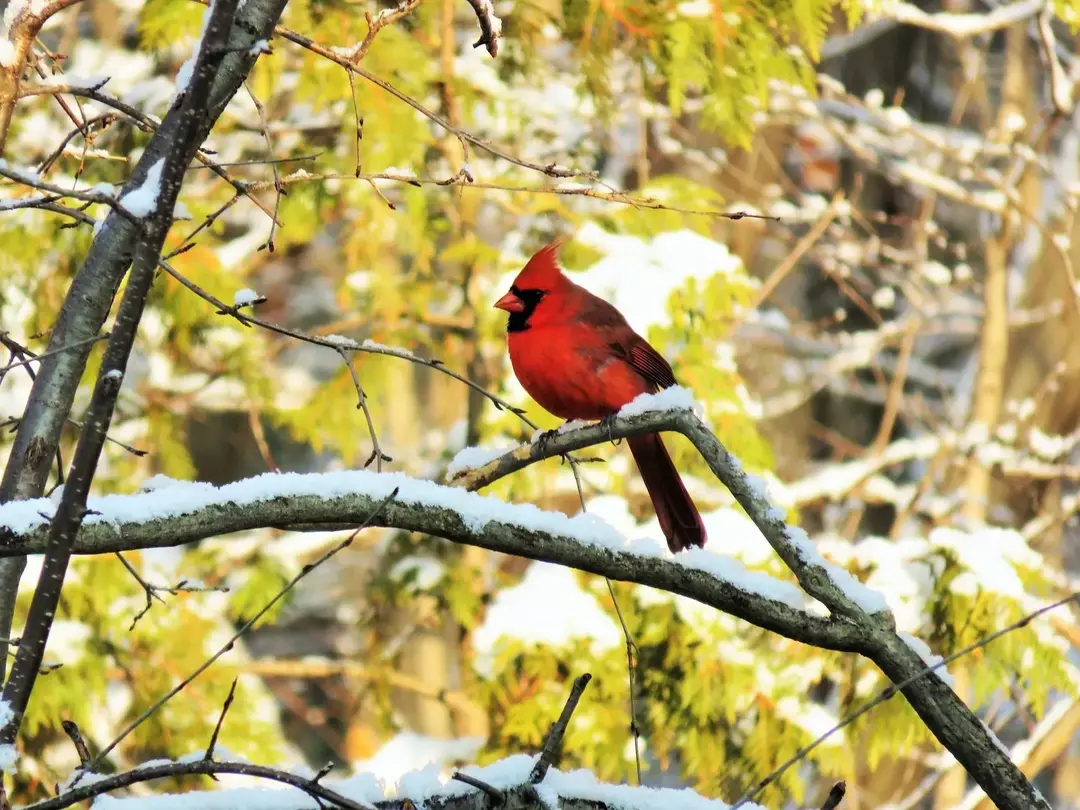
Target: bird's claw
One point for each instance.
(544, 439)
(608, 424)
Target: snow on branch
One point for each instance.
(520, 782)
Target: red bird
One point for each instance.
(578, 357)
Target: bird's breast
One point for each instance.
(570, 375)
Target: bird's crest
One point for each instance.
(542, 270)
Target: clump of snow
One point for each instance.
(7, 49)
(928, 657)
(342, 341)
(6, 713)
(382, 348)
(142, 201)
(672, 398)
(114, 374)
(245, 297)
(471, 458)
(259, 47)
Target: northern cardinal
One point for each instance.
(578, 357)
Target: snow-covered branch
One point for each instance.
(178, 513)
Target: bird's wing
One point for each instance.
(624, 342)
(651, 364)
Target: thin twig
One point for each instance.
(836, 795)
(553, 743)
(209, 755)
(76, 737)
(490, 790)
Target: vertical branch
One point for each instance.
(994, 336)
(72, 509)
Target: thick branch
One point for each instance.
(350, 497)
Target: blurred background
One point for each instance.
(892, 349)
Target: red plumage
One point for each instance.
(578, 357)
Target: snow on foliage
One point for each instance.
(546, 607)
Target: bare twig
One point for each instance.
(77, 740)
(836, 795)
(479, 784)
(490, 26)
(209, 755)
(553, 742)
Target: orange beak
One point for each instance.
(511, 303)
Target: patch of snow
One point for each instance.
(245, 297)
(928, 657)
(8, 757)
(471, 458)
(142, 201)
(675, 397)
(408, 751)
(546, 607)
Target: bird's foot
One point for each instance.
(544, 439)
(608, 423)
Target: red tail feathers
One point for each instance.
(678, 516)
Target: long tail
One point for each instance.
(678, 516)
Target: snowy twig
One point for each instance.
(963, 25)
(22, 22)
(460, 181)
(553, 742)
(490, 26)
(340, 346)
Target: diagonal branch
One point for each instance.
(157, 199)
(91, 294)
